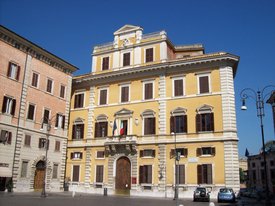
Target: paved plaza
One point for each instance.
(66, 198)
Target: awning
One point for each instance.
(5, 172)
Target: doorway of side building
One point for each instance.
(39, 175)
(123, 176)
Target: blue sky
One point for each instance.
(70, 29)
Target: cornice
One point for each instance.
(34, 50)
(189, 63)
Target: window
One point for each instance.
(99, 173)
(178, 87)
(204, 173)
(57, 146)
(147, 153)
(62, 91)
(149, 55)
(43, 143)
(180, 174)
(76, 172)
(103, 96)
(206, 151)
(76, 155)
(145, 174)
(101, 129)
(79, 100)
(205, 119)
(178, 124)
(126, 59)
(124, 91)
(183, 152)
(148, 90)
(13, 71)
(5, 137)
(105, 63)
(46, 116)
(55, 171)
(60, 121)
(27, 141)
(31, 111)
(49, 85)
(100, 154)
(24, 169)
(78, 131)
(149, 122)
(203, 84)
(35, 78)
(9, 105)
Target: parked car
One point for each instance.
(201, 194)
(226, 195)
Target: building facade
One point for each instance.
(256, 171)
(145, 102)
(35, 99)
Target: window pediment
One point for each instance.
(123, 112)
(178, 111)
(204, 109)
(148, 113)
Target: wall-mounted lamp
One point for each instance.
(111, 124)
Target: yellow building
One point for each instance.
(143, 98)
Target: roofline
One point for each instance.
(72, 68)
(220, 56)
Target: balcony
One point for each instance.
(121, 144)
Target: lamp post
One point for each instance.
(259, 98)
(48, 129)
(176, 172)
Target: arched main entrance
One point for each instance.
(123, 176)
(39, 175)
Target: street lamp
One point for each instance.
(176, 172)
(259, 98)
(46, 142)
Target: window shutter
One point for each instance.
(185, 152)
(72, 155)
(209, 174)
(75, 173)
(9, 138)
(172, 153)
(63, 121)
(40, 143)
(153, 153)
(172, 124)
(212, 121)
(185, 123)
(149, 174)
(97, 129)
(199, 152)
(56, 120)
(80, 155)
(18, 72)
(13, 106)
(141, 174)
(204, 84)
(178, 87)
(199, 173)
(9, 69)
(198, 122)
(149, 91)
(213, 151)
(48, 144)
(153, 125)
(76, 97)
(81, 131)
(181, 174)
(74, 132)
(4, 106)
(106, 128)
(141, 153)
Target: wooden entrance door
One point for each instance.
(39, 175)
(38, 179)
(123, 175)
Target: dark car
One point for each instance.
(226, 195)
(201, 194)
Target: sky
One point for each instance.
(246, 28)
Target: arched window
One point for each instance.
(178, 120)
(78, 129)
(149, 122)
(101, 126)
(205, 119)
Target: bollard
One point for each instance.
(73, 194)
(105, 191)
(211, 204)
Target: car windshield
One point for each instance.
(200, 189)
(226, 190)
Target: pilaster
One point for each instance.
(162, 105)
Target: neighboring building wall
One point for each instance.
(220, 161)
(34, 94)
